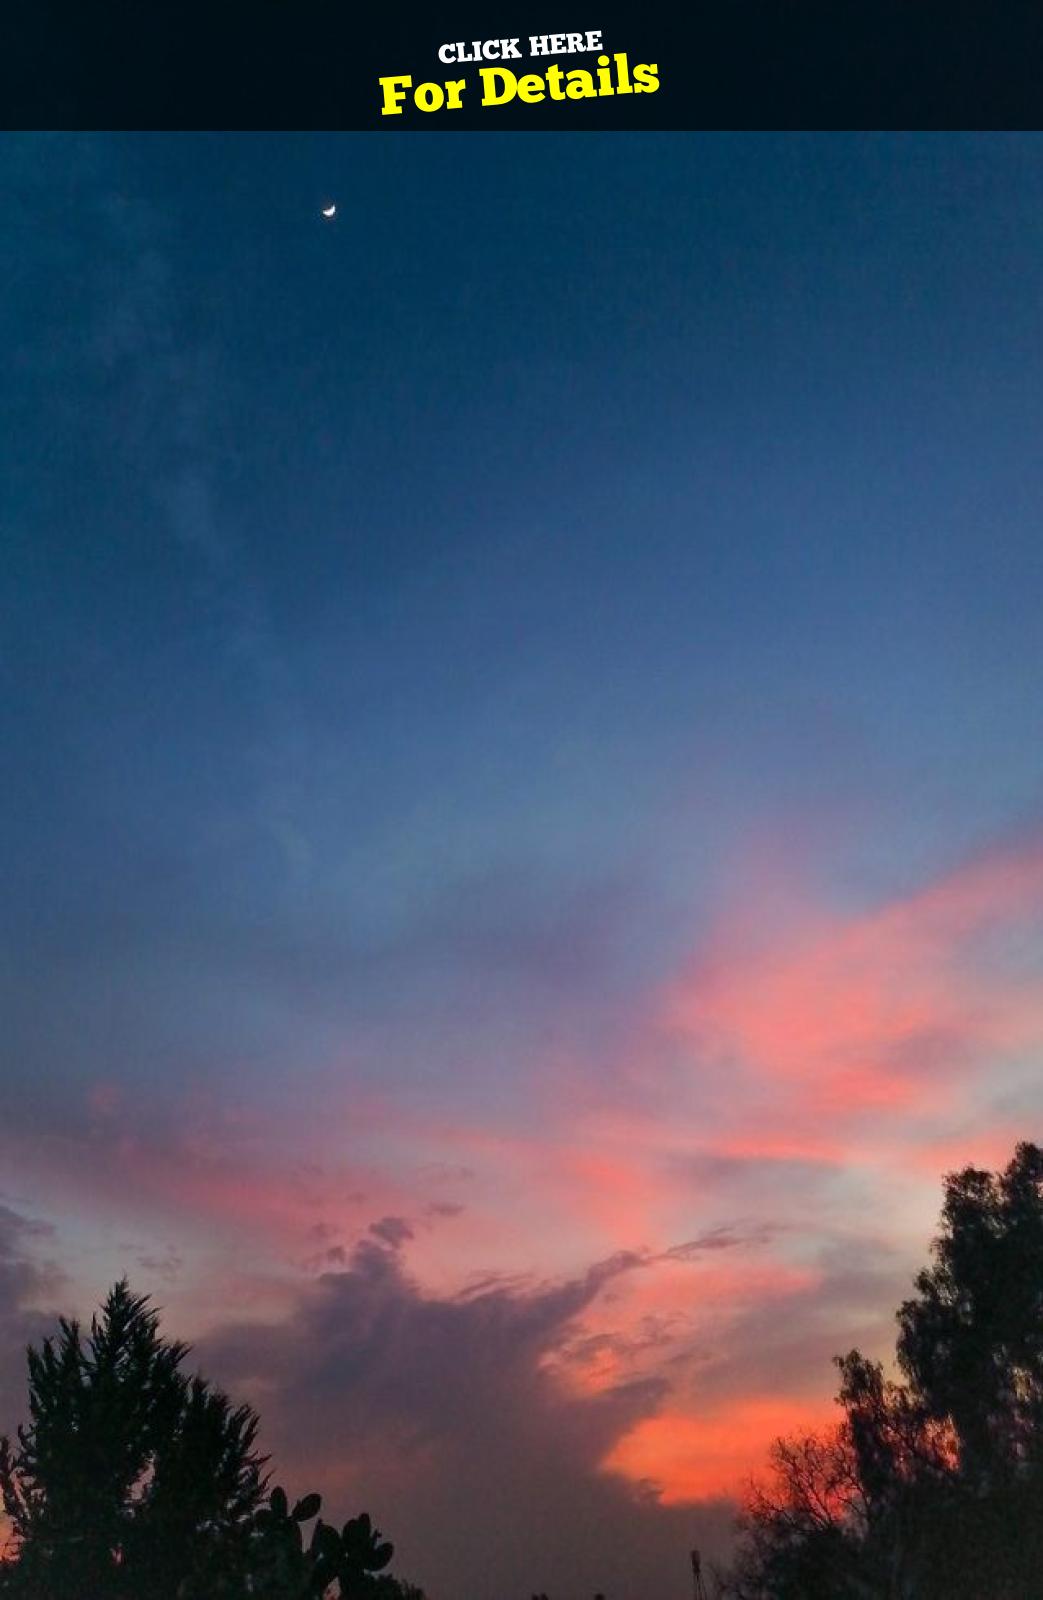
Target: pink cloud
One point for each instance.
(847, 1044)
(880, 1010)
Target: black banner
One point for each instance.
(324, 65)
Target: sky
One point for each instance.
(523, 847)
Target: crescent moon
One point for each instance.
(329, 211)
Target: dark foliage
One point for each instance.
(351, 1562)
(128, 1471)
(133, 1481)
(932, 1484)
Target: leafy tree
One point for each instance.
(134, 1481)
(128, 1471)
(971, 1341)
(932, 1484)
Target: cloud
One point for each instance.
(694, 1455)
(26, 1279)
(745, 1111)
(443, 1417)
(722, 1238)
(393, 1231)
(167, 1266)
(890, 1009)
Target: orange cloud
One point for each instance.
(715, 1453)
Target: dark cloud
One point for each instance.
(322, 1232)
(393, 1231)
(726, 1237)
(652, 1334)
(445, 1172)
(168, 1265)
(443, 1417)
(25, 1278)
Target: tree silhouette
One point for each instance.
(932, 1485)
(133, 1480)
(127, 1467)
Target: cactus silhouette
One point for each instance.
(362, 1552)
(281, 1566)
(284, 1570)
